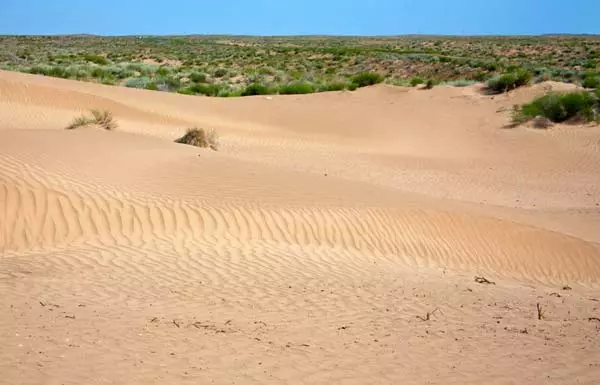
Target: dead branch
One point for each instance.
(540, 311)
(428, 315)
(484, 280)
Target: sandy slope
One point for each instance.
(304, 250)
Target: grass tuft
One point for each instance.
(101, 118)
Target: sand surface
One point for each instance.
(309, 249)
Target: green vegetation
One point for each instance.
(560, 107)
(200, 137)
(297, 88)
(416, 81)
(238, 66)
(591, 80)
(102, 118)
(509, 81)
(365, 79)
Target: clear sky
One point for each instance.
(299, 17)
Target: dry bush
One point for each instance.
(200, 137)
(102, 118)
(79, 122)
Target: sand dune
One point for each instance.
(304, 250)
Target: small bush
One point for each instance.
(365, 79)
(416, 81)
(200, 137)
(97, 59)
(220, 72)
(198, 77)
(201, 89)
(101, 118)
(297, 88)
(430, 84)
(256, 89)
(508, 81)
(332, 87)
(591, 80)
(559, 107)
(141, 82)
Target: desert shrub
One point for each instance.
(54, 71)
(256, 89)
(198, 77)
(430, 84)
(559, 107)
(219, 73)
(332, 87)
(200, 137)
(296, 88)
(416, 81)
(591, 80)
(201, 89)
(101, 118)
(141, 82)
(163, 71)
(508, 81)
(97, 59)
(365, 79)
(167, 84)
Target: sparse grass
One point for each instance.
(102, 118)
(559, 107)
(200, 137)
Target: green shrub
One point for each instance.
(296, 88)
(141, 82)
(416, 81)
(220, 72)
(332, 87)
(163, 71)
(365, 79)
(508, 81)
(198, 77)
(201, 89)
(97, 59)
(257, 89)
(559, 107)
(591, 80)
(430, 84)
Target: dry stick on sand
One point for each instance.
(484, 280)
(540, 311)
(428, 315)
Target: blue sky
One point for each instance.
(296, 17)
